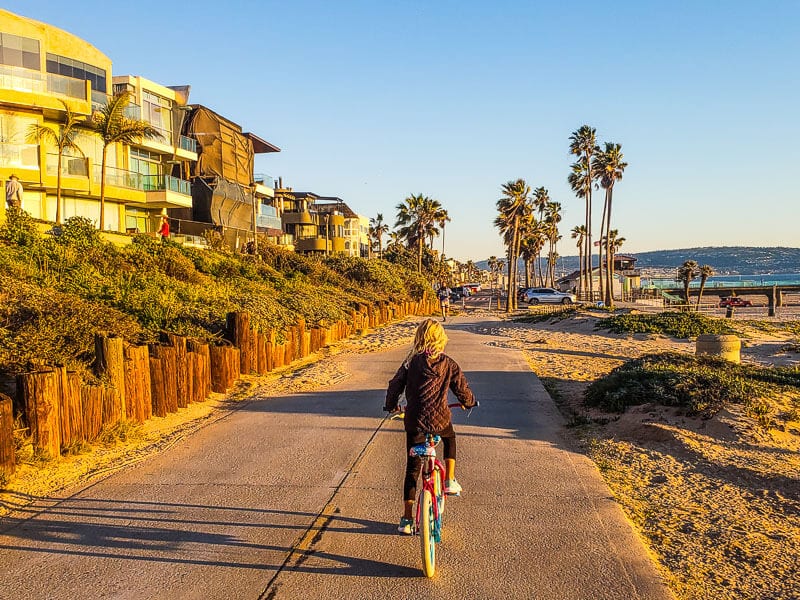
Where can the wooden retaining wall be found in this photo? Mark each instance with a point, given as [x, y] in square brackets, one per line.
[140, 382]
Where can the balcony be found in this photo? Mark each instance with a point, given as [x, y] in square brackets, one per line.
[311, 244]
[269, 222]
[188, 144]
[165, 191]
[299, 218]
[19, 156]
[264, 179]
[35, 82]
[71, 166]
[118, 178]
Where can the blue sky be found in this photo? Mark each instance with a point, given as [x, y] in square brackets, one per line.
[373, 101]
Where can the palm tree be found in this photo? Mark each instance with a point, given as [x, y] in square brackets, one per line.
[583, 144]
[579, 233]
[63, 139]
[513, 211]
[492, 264]
[412, 221]
[609, 166]
[541, 197]
[442, 218]
[706, 271]
[614, 243]
[377, 229]
[686, 272]
[112, 125]
[552, 219]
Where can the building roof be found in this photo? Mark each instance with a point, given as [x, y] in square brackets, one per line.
[261, 146]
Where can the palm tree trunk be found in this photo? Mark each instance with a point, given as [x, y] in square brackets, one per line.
[420, 242]
[603, 232]
[58, 189]
[609, 250]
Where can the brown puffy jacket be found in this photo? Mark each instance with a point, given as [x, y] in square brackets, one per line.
[426, 381]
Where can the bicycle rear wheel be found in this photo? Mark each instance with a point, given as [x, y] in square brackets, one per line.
[427, 543]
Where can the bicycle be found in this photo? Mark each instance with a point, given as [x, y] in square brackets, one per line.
[431, 498]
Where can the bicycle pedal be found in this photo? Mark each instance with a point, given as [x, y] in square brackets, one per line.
[456, 495]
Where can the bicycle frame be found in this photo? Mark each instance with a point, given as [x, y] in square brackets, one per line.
[431, 467]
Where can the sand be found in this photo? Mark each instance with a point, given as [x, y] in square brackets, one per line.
[717, 501]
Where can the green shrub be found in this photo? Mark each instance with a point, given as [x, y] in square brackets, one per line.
[700, 384]
[674, 324]
[19, 228]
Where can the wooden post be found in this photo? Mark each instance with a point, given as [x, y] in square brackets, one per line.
[302, 349]
[40, 394]
[110, 361]
[239, 333]
[7, 457]
[225, 361]
[169, 374]
[260, 353]
[138, 394]
[92, 404]
[203, 373]
[182, 396]
[158, 391]
[270, 349]
[71, 409]
[111, 407]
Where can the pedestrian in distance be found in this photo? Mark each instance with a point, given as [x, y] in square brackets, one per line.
[444, 300]
[425, 376]
[164, 230]
[14, 193]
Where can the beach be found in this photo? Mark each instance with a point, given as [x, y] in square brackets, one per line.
[715, 500]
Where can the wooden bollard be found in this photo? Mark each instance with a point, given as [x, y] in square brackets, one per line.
[110, 361]
[158, 392]
[182, 393]
[8, 461]
[240, 335]
[40, 393]
[305, 344]
[302, 349]
[261, 353]
[111, 406]
[278, 354]
[71, 408]
[288, 349]
[138, 400]
[202, 384]
[169, 374]
[269, 349]
[225, 362]
[92, 404]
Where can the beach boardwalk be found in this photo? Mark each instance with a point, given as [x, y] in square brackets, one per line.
[298, 496]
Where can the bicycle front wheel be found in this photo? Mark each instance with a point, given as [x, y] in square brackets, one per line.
[427, 542]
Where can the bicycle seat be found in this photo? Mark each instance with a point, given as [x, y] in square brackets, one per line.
[427, 447]
[422, 450]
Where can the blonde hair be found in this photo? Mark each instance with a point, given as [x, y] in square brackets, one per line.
[429, 339]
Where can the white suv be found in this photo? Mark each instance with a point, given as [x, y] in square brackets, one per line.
[547, 295]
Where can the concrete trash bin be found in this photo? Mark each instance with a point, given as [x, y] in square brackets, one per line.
[724, 346]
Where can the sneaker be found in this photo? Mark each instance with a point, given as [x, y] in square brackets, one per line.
[452, 487]
[406, 526]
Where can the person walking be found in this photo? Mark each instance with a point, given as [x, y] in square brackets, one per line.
[14, 193]
[164, 230]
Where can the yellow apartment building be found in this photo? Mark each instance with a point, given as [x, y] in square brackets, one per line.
[42, 66]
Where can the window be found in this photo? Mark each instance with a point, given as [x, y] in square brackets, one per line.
[148, 165]
[75, 69]
[136, 220]
[156, 111]
[19, 51]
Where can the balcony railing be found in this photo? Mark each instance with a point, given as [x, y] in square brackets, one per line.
[269, 222]
[71, 166]
[157, 183]
[28, 80]
[188, 144]
[118, 177]
[264, 179]
[24, 156]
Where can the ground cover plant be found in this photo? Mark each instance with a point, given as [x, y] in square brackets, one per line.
[700, 384]
[58, 289]
[674, 324]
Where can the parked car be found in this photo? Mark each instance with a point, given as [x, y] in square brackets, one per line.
[547, 295]
[474, 288]
[734, 302]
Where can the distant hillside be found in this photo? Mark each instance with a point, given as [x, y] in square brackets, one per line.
[726, 260]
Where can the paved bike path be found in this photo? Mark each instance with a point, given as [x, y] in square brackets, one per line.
[298, 497]
[535, 521]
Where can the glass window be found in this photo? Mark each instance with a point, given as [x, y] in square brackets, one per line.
[75, 69]
[156, 111]
[19, 51]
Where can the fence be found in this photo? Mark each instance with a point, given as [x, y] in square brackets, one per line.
[154, 380]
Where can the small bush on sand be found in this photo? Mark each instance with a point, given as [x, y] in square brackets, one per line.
[700, 384]
[674, 324]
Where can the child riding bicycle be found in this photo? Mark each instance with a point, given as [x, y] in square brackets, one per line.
[425, 375]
